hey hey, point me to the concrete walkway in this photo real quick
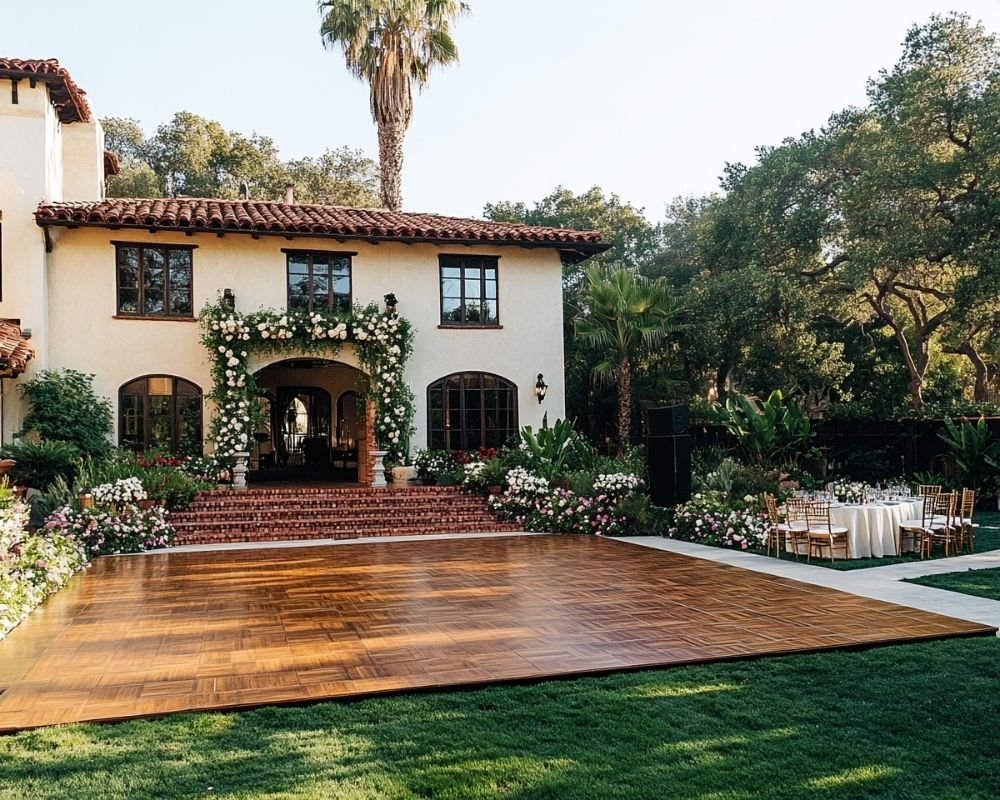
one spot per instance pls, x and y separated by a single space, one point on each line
879 583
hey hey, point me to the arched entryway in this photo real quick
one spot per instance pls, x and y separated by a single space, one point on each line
312 426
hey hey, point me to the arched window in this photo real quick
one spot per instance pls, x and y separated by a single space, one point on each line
469 410
160 411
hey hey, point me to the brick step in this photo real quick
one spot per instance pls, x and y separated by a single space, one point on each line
321 505
286 513
332 491
331 522
313 510
296 535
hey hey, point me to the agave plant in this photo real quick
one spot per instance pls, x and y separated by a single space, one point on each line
770 433
974 450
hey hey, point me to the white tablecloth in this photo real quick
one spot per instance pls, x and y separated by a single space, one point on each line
872 529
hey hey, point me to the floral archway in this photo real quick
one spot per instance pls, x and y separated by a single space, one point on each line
383 342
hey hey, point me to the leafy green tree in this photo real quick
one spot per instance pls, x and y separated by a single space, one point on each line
64 407
124 137
634 241
391 44
891 209
623 318
342 177
195 156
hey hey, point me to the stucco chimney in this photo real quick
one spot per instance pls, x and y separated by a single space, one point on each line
289 193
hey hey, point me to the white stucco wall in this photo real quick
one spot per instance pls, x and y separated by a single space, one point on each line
84 333
30 172
82 161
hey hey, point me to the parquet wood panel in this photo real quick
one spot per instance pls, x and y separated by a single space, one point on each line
166 632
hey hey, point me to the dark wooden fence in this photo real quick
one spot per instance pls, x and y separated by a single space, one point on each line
892 447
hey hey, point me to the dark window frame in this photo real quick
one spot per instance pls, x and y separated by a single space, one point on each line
329 255
450 439
174 418
463 263
140 288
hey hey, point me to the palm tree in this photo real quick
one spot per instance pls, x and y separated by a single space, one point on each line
624 317
392 44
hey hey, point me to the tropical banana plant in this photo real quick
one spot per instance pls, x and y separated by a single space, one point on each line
974 450
771 433
550 446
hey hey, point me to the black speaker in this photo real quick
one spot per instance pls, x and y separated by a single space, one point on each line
668 462
668 420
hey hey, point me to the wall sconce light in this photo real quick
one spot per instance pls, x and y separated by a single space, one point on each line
541 388
390 303
229 299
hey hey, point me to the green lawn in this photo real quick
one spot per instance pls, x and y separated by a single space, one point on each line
987 538
980 582
913 721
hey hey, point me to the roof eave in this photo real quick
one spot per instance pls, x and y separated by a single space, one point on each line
573 251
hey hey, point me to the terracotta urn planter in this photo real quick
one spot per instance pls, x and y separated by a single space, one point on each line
145 505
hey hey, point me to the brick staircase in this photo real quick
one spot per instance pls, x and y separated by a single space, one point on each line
287 514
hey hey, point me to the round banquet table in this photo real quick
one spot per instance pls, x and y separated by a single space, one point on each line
872 529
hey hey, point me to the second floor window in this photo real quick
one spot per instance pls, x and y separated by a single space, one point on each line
154 281
469 290
319 281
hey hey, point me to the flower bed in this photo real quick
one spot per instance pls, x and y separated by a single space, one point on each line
32 565
711 518
533 503
107 532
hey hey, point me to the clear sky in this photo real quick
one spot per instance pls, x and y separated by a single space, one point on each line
646 98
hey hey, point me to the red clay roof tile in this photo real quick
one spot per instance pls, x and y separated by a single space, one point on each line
14 350
274 217
68 98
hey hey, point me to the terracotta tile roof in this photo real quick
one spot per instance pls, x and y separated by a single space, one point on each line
14 350
68 98
339 222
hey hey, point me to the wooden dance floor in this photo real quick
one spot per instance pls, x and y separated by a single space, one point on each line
166 632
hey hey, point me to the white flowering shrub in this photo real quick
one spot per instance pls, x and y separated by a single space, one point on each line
617 484
122 491
711 518
383 343
474 473
532 501
32 565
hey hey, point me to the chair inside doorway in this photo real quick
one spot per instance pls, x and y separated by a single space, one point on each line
296 440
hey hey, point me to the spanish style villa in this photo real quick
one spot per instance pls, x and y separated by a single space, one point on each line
116 287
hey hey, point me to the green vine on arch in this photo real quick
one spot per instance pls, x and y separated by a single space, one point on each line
383 343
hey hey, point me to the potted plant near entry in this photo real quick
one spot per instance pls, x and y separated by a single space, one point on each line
403 471
494 475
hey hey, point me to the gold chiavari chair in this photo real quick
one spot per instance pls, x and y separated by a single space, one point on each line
795 519
927 489
963 519
781 533
943 527
822 534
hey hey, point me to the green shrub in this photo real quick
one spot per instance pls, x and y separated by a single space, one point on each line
58 495
40 463
65 407
642 518
974 450
749 479
551 448
768 433
163 478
